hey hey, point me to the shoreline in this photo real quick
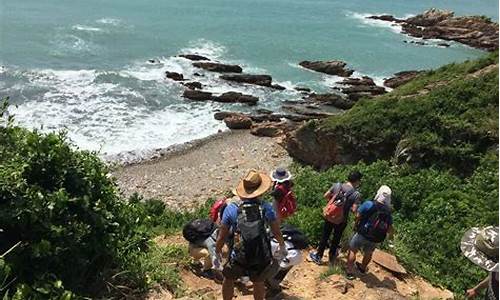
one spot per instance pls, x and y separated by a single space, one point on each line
191 173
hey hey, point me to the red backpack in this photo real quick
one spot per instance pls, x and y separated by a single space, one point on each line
216 208
288 204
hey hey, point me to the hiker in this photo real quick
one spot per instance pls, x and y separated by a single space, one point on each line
480 245
202 235
342 198
217 209
373 224
284 202
295 241
251 254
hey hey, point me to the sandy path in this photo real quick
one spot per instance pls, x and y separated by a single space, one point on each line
193 175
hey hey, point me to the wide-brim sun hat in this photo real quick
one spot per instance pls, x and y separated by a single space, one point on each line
281 175
384 195
253 185
480 245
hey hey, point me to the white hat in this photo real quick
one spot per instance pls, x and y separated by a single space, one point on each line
384 195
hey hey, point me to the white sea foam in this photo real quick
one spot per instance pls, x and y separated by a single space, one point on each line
206 48
86 28
71 43
365 21
109 21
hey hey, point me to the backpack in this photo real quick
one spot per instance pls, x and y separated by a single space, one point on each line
198 230
288 204
217 209
293 235
377 225
252 243
334 210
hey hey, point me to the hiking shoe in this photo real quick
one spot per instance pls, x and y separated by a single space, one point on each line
315 258
350 276
360 268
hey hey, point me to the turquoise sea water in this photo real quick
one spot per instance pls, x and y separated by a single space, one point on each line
82 65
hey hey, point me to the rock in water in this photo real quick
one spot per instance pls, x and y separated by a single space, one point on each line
365 80
194 57
197 95
218 67
193 85
235 97
331 99
238 122
264 80
334 67
174 76
401 78
387 18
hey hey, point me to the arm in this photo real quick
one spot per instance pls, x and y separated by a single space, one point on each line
471 293
328 195
221 238
275 229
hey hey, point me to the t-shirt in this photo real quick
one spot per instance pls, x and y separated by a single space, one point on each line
369 207
353 197
230 215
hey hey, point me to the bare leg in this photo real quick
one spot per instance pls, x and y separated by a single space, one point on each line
259 290
350 260
367 257
228 289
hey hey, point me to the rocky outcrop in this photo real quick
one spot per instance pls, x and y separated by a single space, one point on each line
332 99
263 80
197 95
302 89
356 92
238 122
193 85
272 129
306 110
401 78
218 67
333 67
365 80
311 146
174 76
194 57
235 97
387 18
475 31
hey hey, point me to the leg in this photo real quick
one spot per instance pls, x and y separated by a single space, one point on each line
351 258
327 231
338 230
227 289
367 257
259 290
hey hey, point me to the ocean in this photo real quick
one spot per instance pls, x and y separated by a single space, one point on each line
82 66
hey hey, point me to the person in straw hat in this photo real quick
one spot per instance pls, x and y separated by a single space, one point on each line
480 245
247 221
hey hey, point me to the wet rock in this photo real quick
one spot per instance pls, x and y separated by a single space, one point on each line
264 111
334 67
365 80
218 67
401 78
445 45
476 31
421 43
193 85
238 122
263 80
302 89
194 57
197 95
154 61
235 97
278 87
371 89
306 111
387 18
174 76
331 99
221 115
197 74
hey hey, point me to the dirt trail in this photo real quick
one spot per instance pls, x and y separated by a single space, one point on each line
305 282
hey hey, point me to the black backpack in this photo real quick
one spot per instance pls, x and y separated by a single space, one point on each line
252 243
293 235
198 230
377 225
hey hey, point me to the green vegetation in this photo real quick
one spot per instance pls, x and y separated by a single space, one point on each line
447 118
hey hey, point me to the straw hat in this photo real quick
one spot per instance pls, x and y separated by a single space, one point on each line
281 175
480 245
253 185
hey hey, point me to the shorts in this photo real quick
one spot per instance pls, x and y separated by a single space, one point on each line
233 270
359 242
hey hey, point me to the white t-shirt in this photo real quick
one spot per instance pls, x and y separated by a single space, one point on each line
293 258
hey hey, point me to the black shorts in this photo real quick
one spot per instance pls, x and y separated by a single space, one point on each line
233 270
